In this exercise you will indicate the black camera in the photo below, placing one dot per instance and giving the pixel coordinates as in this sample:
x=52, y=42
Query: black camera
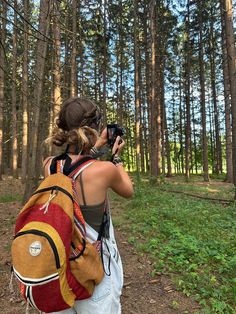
x=113, y=130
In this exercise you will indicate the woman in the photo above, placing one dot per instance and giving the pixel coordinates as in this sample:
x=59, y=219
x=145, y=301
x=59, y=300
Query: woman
x=78, y=126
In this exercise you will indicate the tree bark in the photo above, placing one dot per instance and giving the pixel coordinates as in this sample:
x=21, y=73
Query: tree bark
x=218, y=155
x=187, y=95
x=74, y=78
x=3, y=10
x=148, y=94
x=34, y=164
x=230, y=44
x=194, y=138
x=167, y=143
x=153, y=111
x=159, y=83
x=104, y=66
x=202, y=97
x=66, y=65
x=57, y=57
x=25, y=93
x=181, y=143
x=136, y=88
x=14, y=158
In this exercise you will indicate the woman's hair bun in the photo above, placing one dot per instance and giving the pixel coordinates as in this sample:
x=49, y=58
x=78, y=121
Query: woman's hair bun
x=75, y=124
x=59, y=136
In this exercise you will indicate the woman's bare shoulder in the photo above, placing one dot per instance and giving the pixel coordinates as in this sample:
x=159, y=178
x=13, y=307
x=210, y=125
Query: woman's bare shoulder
x=105, y=165
x=105, y=169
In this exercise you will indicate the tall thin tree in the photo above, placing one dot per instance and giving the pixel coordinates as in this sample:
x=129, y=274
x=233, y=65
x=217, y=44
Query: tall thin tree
x=202, y=92
x=3, y=10
x=153, y=111
x=74, y=72
x=227, y=100
x=14, y=158
x=230, y=44
x=136, y=86
x=42, y=43
x=187, y=93
x=25, y=92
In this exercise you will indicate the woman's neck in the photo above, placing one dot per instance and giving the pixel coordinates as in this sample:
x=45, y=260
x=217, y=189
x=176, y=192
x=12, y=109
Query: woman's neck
x=71, y=149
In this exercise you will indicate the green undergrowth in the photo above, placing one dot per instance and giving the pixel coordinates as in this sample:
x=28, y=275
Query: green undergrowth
x=10, y=198
x=214, y=189
x=192, y=240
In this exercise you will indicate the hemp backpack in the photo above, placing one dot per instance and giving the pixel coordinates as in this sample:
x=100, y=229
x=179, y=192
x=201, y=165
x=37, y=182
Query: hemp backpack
x=51, y=258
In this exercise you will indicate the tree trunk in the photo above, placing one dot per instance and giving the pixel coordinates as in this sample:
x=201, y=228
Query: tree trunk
x=187, y=69
x=13, y=94
x=159, y=84
x=56, y=67
x=66, y=65
x=176, y=159
x=74, y=73
x=3, y=10
x=25, y=93
x=218, y=155
x=227, y=88
x=35, y=164
x=136, y=88
x=203, y=101
x=153, y=113
x=57, y=57
x=230, y=44
x=212, y=137
x=194, y=138
x=104, y=65
x=148, y=94
x=167, y=143
x=181, y=150
x=141, y=111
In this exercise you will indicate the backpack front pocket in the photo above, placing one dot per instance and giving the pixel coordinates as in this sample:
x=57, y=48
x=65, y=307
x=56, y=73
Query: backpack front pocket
x=35, y=257
x=38, y=254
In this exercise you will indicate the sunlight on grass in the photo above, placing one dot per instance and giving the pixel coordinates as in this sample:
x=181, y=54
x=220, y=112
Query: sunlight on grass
x=212, y=191
x=193, y=240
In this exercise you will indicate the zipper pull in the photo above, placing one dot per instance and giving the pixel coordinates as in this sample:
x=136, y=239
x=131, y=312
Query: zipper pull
x=51, y=197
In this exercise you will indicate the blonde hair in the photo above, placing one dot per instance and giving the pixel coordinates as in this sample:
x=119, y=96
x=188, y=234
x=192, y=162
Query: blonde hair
x=84, y=138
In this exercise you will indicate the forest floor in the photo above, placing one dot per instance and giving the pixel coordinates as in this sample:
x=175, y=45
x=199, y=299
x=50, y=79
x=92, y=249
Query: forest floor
x=143, y=293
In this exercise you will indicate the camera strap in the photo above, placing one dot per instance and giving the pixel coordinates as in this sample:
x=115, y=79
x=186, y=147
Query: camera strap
x=113, y=155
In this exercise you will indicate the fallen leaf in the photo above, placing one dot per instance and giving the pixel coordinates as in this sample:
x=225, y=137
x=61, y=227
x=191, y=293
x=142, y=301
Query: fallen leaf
x=127, y=283
x=154, y=281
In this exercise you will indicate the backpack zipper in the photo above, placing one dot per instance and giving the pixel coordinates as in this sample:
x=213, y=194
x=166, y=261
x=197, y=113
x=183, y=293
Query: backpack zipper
x=55, y=187
x=50, y=240
x=29, y=296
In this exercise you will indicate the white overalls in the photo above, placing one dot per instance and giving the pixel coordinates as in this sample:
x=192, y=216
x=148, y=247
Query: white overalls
x=106, y=296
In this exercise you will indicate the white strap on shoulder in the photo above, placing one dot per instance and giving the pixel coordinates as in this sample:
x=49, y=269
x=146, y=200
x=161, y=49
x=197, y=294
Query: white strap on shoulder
x=82, y=169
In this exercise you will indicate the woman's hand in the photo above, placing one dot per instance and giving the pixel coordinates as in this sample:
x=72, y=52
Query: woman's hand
x=118, y=145
x=102, y=140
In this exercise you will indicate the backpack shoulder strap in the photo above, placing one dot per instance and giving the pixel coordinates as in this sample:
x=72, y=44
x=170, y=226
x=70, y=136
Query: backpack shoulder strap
x=77, y=167
x=71, y=169
x=66, y=167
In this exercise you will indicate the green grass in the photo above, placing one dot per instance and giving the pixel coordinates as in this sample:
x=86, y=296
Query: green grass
x=191, y=239
x=195, y=185
x=10, y=198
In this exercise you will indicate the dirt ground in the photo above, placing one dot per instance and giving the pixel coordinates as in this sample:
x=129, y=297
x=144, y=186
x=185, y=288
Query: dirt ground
x=142, y=294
